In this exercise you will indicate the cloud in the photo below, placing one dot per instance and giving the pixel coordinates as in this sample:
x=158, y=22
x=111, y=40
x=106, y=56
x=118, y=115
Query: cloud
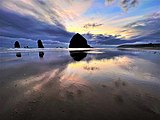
x=93, y=25
x=127, y=4
x=101, y=39
x=124, y=4
x=148, y=25
x=15, y=25
x=49, y=11
x=18, y=27
x=33, y=8
x=145, y=30
x=114, y=40
x=152, y=37
x=108, y=2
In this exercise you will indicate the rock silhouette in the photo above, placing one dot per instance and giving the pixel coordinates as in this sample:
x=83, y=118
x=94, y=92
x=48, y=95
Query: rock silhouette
x=16, y=44
x=26, y=47
x=40, y=44
x=78, y=55
x=78, y=41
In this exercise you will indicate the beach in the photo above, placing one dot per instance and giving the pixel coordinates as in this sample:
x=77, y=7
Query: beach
x=71, y=84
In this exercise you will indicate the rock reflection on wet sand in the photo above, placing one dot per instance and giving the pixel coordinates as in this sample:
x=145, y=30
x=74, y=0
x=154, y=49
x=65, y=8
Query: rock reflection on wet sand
x=120, y=87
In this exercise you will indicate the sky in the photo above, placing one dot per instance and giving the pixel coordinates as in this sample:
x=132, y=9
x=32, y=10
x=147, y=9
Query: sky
x=100, y=21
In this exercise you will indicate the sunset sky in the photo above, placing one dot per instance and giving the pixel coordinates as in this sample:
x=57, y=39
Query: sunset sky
x=55, y=21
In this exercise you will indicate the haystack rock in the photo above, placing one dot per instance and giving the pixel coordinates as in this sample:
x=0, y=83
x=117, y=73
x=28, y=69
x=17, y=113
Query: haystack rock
x=16, y=44
x=40, y=44
x=78, y=41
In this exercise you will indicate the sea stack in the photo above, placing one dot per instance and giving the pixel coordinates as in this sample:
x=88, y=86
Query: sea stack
x=40, y=44
x=78, y=41
x=16, y=44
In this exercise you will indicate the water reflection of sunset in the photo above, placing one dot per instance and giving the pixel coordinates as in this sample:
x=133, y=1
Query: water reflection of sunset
x=99, y=67
x=111, y=82
x=105, y=63
x=79, y=74
x=118, y=67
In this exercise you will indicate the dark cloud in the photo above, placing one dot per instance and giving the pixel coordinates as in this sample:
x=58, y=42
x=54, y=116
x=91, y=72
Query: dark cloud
x=145, y=30
x=125, y=4
x=42, y=2
x=149, y=25
x=109, y=1
x=8, y=42
x=93, y=25
x=101, y=39
x=14, y=25
x=43, y=10
x=152, y=37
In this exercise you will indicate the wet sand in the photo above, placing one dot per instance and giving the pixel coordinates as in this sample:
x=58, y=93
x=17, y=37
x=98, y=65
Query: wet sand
x=104, y=84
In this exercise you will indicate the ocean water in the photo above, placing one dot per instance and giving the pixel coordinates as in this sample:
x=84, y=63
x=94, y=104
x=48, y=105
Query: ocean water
x=95, y=83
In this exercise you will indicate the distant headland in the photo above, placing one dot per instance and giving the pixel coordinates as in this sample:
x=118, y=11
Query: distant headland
x=142, y=46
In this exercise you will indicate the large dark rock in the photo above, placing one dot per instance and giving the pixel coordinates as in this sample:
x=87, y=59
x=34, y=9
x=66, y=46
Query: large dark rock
x=78, y=41
x=40, y=44
x=16, y=44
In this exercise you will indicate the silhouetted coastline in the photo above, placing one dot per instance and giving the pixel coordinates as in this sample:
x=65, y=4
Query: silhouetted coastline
x=144, y=46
